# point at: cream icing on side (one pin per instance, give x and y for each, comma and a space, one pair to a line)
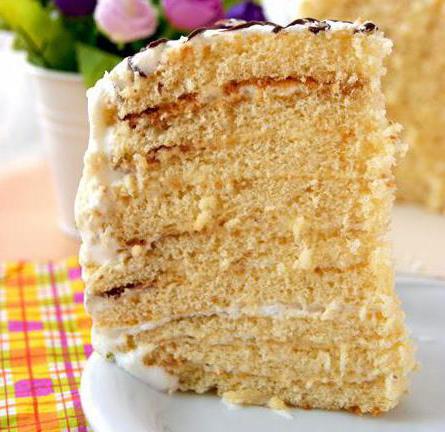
133, 362
98, 245
149, 59
155, 376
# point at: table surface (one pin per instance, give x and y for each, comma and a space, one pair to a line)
28, 216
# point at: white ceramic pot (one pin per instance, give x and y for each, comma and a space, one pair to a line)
62, 110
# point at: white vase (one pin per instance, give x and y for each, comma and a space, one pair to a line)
62, 110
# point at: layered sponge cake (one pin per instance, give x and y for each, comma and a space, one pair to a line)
234, 210
414, 85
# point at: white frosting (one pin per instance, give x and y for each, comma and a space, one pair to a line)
98, 244
97, 247
148, 60
98, 97
133, 362
252, 29
177, 42
154, 376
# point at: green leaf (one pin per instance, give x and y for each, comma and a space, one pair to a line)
82, 28
3, 25
94, 62
41, 32
229, 3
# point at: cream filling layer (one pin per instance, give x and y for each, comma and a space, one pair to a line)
279, 311
112, 341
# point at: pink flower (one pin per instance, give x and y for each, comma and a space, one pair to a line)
126, 20
190, 14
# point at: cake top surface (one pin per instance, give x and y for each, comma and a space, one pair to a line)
145, 62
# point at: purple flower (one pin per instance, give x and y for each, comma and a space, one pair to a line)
190, 14
247, 10
126, 20
76, 7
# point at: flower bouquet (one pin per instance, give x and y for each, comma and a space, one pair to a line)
92, 36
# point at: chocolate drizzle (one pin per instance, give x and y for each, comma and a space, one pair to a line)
155, 43
318, 27
198, 31
313, 25
367, 27
302, 21
134, 67
219, 25
247, 24
341, 21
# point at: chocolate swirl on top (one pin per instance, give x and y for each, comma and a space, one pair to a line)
155, 43
200, 30
315, 26
302, 21
367, 27
242, 25
318, 27
219, 25
341, 21
134, 67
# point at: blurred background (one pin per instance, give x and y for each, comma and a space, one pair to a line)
51, 51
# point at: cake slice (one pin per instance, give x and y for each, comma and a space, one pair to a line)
234, 208
414, 85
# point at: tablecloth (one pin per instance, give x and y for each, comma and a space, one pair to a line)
44, 341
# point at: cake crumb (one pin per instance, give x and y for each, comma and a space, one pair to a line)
297, 227
304, 261
202, 220
136, 251
277, 404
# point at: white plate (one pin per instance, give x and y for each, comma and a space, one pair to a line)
114, 401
